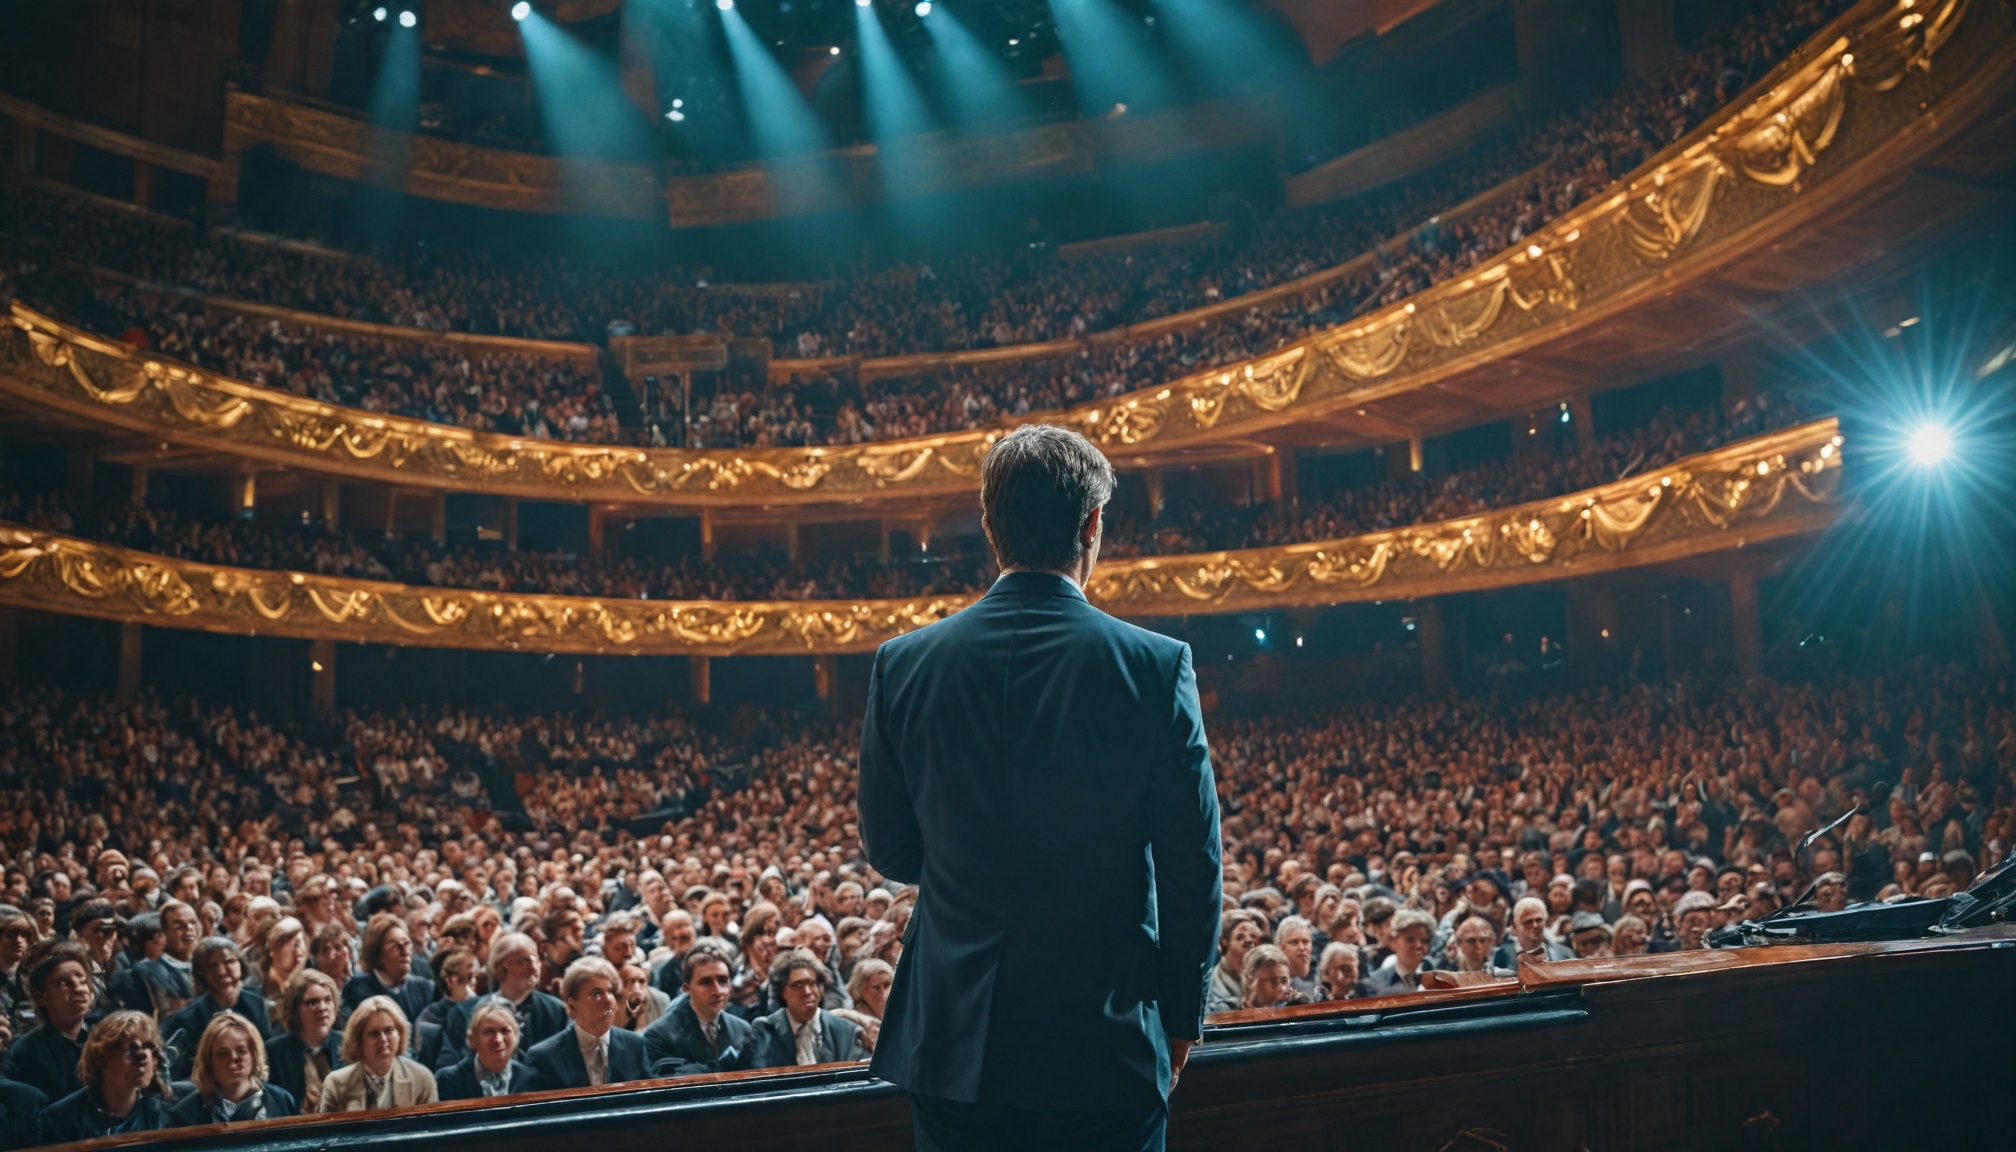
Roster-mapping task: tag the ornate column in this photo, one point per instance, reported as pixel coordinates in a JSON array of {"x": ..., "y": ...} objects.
[
  {"x": 322, "y": 684},
  {"x": 1746, "y": 625}
]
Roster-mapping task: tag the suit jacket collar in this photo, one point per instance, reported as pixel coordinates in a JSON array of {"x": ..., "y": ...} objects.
[{"x": 1034, "y": 584}]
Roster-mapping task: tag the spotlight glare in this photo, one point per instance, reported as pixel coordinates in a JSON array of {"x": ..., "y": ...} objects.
[
  {"x": 833, "y": 51},
  {"x": 408, "y": 19},
  {"x": 1929, "y": 445},
  {"x": 1260, "y": 634},
  {"x": 521, "y": 10},
  {"x": 725, "y": 5},
  {"x": 379, "y": 14},
  {"x": 863, "y": 3},
  {"x": 923, "y": 8}
]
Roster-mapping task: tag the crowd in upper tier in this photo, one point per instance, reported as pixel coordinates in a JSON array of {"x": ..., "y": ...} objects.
[
  {"x": 963, "y": 302},
  {"x": 205, "y": 917},
  {"x": 374, "y": 555}
]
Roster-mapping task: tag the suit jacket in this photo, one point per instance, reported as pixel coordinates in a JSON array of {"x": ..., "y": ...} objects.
[
  {"x": 344, "y": 1090},
  {"x": 287, "y": 1062},
  {"x": 539, "y": 1017},
  {"x": 76, "y": 1117},
  {"x": 21, "y": 1106},
  {"x": 45, "y": 1060},
  {"x": 1030, "y": 745},
  {"x": 675, "y": 1045},
  {"x": 1386, "y": 981},
  {"x": 462, "y": 1081},
  {"x": 191, "y": 1110},
  {"x": 413, "y": 996},
  {"x": 183, "y": 1029},
  {"x": 775, "y": 1043},
  {"x": 556, "y": 1061},
  {"x": 155, "y": 987}
]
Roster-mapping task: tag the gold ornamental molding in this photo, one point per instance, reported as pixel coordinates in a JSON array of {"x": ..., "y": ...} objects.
[
  {"x": 1769, "y": 487},
  {"x": 64, "y": 369},
  {"x": 1876, "y": 83}
]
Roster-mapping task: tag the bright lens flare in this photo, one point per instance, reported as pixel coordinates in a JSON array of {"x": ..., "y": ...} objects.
[
  {"x": 520, "y": 10},
  {"x": 1929, "y": 445}
]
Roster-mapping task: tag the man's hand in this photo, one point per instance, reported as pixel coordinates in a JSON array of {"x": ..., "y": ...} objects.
[{"x": 1179, "y": 1055}]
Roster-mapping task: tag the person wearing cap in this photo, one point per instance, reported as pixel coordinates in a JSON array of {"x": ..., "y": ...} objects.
[
  {"x": 1589, "y": 935},
  {"x": 95, "y": 924}
]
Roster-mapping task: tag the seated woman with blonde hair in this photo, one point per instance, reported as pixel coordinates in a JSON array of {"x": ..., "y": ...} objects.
[
  {"x": 125, "y": 1084},
  {"x": 230, "y": 1073},
  {"x": 374, "y": 1074}
]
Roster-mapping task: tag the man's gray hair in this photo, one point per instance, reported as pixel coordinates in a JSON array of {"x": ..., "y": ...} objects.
[{"x": 1038, "y": 486}]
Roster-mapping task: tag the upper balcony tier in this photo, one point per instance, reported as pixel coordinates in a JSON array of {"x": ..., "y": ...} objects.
[{"x": 1868, "y": 138}]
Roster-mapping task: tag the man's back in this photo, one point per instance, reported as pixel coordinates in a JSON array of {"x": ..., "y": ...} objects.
[{"x": 1040, "y": 769}]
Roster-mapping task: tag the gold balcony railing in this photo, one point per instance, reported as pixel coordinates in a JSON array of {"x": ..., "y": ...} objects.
[
  {"x": 1769, "y": 487},
  {"x": 1874, "y": 83}
]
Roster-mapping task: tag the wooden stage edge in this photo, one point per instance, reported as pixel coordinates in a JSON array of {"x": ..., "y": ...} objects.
[{"x": 1888, "y": 1045}]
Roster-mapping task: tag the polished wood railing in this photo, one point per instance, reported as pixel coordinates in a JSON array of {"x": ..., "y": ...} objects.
[
  {"x": 1799, "y": 1046},
  {"x": 1768, "y": 487}
]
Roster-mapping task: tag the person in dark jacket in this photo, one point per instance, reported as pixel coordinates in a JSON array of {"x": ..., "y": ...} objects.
[
  {"x": 59, "y": 982},
  {"x": 230, "y": 1075},
  {"x": 1029, "y": 721},
  {"x": 494, "y": 1066},
  {"x": 220, "y": 974},
  {"x": 801, "y": 1032},
  {"x": 385, "y": 959},
  {"x": 698, "y": 1034},
  {"x": 21, "y": 1108},
  {"x": 124, "y": 1088},
  {"x": 514, "y": 979},
  {"x": 309, "y": 1048},
  {"x": 593, "y": 1051},
  {"x": 161, "y": 986}
]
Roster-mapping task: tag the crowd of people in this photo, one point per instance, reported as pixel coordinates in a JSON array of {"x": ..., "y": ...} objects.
[
  {"x": 954, "y": 303},
  {"x": 207, "y": 918}
]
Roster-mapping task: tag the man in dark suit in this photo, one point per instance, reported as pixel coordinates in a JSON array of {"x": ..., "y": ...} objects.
[
  {"x": 1028, "y": 745},
  {"x": 698, "y": 1034},
  {"x": 20, "y": 1105},
  {"x": 801, "y": 1033},
  {"x": 592, "y": 1052}
]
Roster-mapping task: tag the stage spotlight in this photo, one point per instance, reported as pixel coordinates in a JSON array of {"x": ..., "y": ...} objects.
[
  {"x": 923, "y": 8},
  {"x": 864, "y": 3},
  {"x": 520, "y": 10},
  {"x": 379, "y": 14},
  {"x": 1929, "y": 445},
  {"x": 1260, "y": 634},
  {"x": 408, "y": 19},
  {"x": 725, "y": 5}
]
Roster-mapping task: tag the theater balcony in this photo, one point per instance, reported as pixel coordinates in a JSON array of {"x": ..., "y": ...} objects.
[
  {"x": 1884, "y": 133},
  {"x": 1752, "y": 495}
]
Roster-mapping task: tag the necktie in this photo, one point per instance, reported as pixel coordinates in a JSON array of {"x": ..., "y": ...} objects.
[
  {"x": 598, "y": 1064},
  {"x": 808, "y": 1042}
]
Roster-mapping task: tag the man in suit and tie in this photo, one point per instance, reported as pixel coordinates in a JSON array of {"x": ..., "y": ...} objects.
[
  {"x": 1032, "y": 744},
  {"x": 698, "y": 1034},
  {"x": 801, "y": 1032},
  {"x": 514, "y": 979},
  {"x": 593, "y": 1051}
]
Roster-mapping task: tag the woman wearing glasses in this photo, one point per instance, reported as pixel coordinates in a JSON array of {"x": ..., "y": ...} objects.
[
  {"x": 230, "y": 1073},
  {"x": 124, "y": 1086},
  {"x": 374, "y": 1074}
]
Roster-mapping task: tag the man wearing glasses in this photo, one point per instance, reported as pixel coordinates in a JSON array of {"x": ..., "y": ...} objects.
[{"x": 801, "y": 1032}]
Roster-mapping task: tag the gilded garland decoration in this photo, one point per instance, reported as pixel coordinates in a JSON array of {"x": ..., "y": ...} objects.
[
  {"x": 1876, "y": 70},
  {"x": 1771, "y": 486}
]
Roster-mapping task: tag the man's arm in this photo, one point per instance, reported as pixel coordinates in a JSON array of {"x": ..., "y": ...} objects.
[
  {"x": 889, "y": 833},
  {"x": 1183, "y": 832}
]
